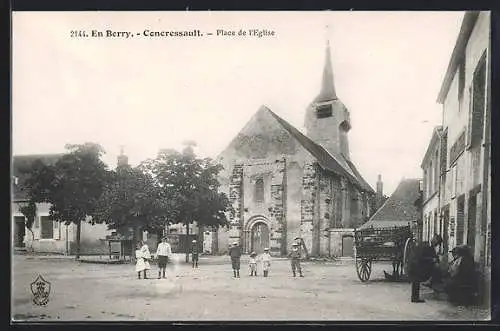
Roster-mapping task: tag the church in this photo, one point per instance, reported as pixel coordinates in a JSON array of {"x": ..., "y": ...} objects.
[{"x": 284, "y": 184}]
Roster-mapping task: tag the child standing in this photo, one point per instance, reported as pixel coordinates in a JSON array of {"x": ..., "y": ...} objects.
[
  {"x": 194, "y": 254},
  {"x": 140, "y": 264},
  {"x": 235, "y": 253},
  {"x": 146, "y": 256},
  {"x": 265, "y": 259},
  {"x": 163, "y": 253},
  {"x": 295, "y": 255},
  {"x": 253, "y": 264}
]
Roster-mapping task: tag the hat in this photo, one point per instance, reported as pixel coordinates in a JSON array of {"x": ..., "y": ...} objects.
[
  {"x": 235, "y": 243},
  {"x": 194, "y": 241},
  {"x": 295, "y": 244},
  {"x": 266, "y": 249},
  {"x": 253, "y": 253}
]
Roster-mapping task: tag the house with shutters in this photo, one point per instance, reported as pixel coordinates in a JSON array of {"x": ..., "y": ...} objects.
[
  {"x": 461, "y": 182},
  {"x": 284, "y": 184},
  {"x": 47, "y": 236}
]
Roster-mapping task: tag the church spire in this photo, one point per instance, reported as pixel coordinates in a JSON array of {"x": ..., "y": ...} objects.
[
  {"x": 122, "y": 158},
  {"x": 327, "y": 87}
]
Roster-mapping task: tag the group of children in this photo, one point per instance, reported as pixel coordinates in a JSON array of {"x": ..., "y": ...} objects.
[
  {"x": 164, "y": 253},
  {"x": 265, "y": 259}
]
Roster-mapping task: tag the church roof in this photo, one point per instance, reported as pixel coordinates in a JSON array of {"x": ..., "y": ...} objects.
[
  {"x": 327, "y": 92},
  {"x": 360, "y": 178},
  {"x": 400, "y": 209},
  {"x": 21, "y": 165},
  {"x": 325, "y": 159}
]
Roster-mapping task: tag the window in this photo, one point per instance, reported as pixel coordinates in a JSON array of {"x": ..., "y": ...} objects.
[
  {"x": 259, "y": 190},
  {"x": 47, "y": 230},
  {"x": 460, "y": 220},
  {"x": 461, "y": 81},
  {"x": 424, "y": 188},
  {"x": 324, "y": 111},
  {"x": 476, "y": 122},
  {"x": 431, "y": 179},
  {"x": 444, "y": 149},
  {"x": 453, "y": 181},
  {"x": 436, "y": 172}
]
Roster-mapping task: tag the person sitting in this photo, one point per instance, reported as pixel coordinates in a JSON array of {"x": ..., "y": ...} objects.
[
  {"x": 459, "y": 283},
  {"x": 435, "y": 272}
]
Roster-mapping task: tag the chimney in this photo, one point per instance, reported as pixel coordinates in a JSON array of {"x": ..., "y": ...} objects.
[{"x": 380, "y": 191}]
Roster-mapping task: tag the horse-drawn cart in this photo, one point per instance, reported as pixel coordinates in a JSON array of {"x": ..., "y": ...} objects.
[{"x": 381, "y": 244}]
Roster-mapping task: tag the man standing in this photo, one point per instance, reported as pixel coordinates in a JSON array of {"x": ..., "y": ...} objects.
[
  {"x": 421, "y": 265},
  {"x": 235, "y": 253},
  {"x": 295, "y": 259},
  {"x": 163, "y": 252},
  {"x": 194, "y": 254}
]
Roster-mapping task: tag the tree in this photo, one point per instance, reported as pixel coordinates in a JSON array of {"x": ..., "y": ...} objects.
[
  {"x": 132, "y": 199},
  {"x": 191, "y": 186},
  {"x": 72, "y": 186},
  {"x": 28, "y": 209}
]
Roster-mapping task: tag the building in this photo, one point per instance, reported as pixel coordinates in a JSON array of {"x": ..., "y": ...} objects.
[
  {"x": 464, "y": 183},
  {"x": 284, "y": 184},
  {"x": 400, "y": 209},
  {"x": 47, "y": 236},
  {"x": 433, "y": 166}
]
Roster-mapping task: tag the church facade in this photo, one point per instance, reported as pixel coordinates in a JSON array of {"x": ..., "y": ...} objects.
[{"x": 284, "y": 184}]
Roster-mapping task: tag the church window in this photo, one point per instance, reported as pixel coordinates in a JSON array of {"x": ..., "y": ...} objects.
[
  {"x": 324, "y": 111},
  {"x": 259, "y": 190}
]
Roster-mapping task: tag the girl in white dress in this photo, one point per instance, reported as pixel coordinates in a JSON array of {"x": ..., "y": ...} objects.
[{"x": 142, "y": 256}]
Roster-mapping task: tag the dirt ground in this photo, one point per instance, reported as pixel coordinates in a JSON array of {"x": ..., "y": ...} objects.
[{"x": 329, "y": 291}]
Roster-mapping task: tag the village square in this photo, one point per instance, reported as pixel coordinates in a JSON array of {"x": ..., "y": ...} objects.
[{"x": 281, "y": 224}]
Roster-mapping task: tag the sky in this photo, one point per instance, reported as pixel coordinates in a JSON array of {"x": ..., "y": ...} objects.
[{"x": 145, "y": 93}]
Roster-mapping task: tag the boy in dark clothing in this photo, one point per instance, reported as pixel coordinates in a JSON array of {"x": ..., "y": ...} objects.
[
  {"x": 194, "y": 254},
  {"x": 421, "y": 265},
  {"x": 295, "y": 259},
  {"x": 235, "y": 254}
]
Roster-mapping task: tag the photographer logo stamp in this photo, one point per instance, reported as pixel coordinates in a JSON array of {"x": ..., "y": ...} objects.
[{"x": 41, "y": 291}]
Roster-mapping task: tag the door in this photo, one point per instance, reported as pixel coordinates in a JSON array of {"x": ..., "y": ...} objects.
[
  {"x": 260, "y": 237},
  {"x": 471, "y": 223},
  {"x": 348, "y": 246},
  {"x": 19, "y": 233},
  {"x": 446, "y": 216}
]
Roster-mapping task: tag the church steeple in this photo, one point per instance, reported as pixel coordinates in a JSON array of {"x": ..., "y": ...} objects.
[
  {"x": 327, "y": 119},
  {"x": 122, "y": 158},
  {"x": 327, "y": 92}
]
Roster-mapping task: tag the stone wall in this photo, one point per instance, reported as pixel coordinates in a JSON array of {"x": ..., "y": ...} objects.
[
  {"x": 325, "y": 211},
  {"x": 278, "y": 235},
  {"x": 308, "y": 204},
  {"x": 236, "y": 200}
]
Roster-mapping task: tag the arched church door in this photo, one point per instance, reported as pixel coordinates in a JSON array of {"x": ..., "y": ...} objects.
[{"x": 260, "y": 237}]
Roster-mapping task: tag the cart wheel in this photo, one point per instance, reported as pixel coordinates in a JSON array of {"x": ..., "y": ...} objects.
[
  {"x": 409, "y": 245},
  {"x": 363, "y": 269}
]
